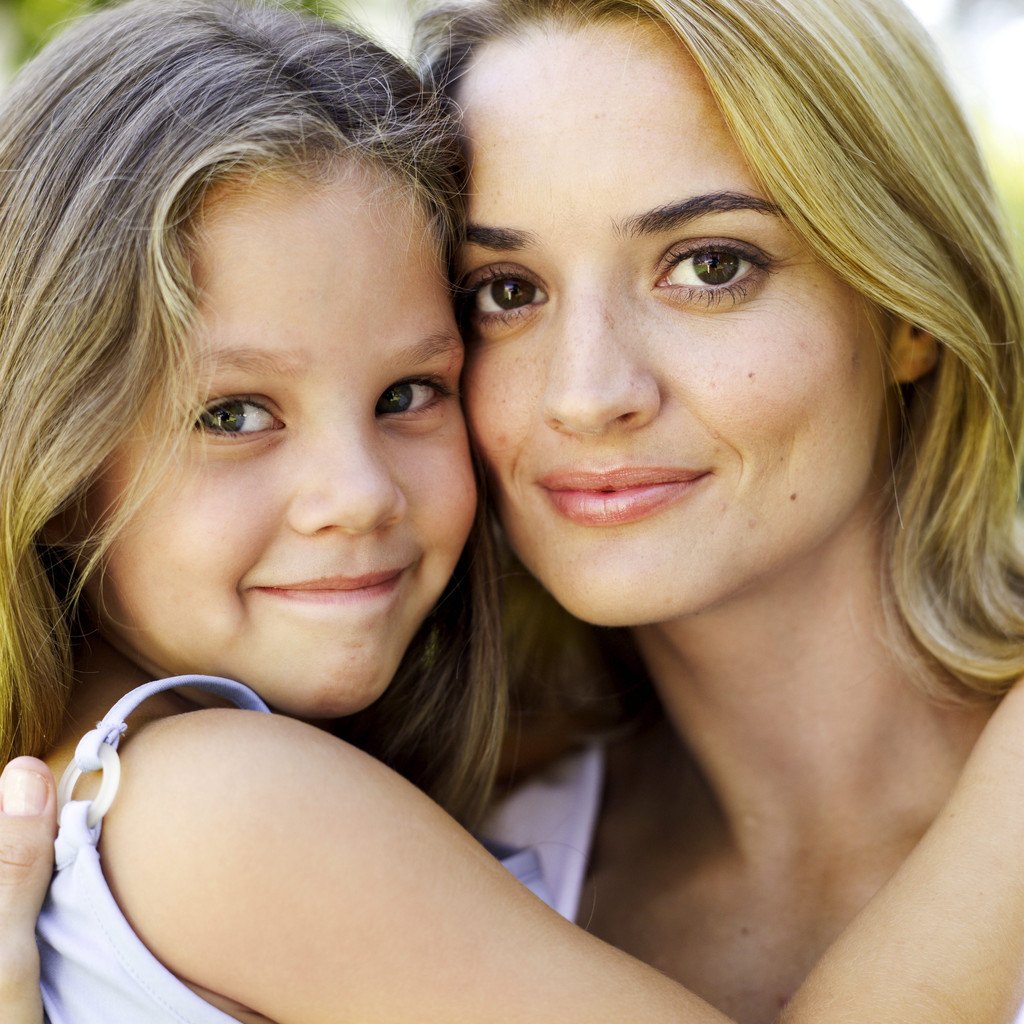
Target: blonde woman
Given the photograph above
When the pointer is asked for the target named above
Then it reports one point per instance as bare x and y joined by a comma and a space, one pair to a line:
746, 366
461, 907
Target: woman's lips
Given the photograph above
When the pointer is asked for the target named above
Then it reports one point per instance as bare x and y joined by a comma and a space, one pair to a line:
620, 496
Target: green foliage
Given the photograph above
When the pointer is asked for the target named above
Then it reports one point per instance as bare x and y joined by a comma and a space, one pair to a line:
35, 21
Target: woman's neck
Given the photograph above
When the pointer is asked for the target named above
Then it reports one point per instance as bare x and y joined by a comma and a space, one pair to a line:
801, 718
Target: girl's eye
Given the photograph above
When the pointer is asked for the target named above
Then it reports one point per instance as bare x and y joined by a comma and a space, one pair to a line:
504, 294
236, 416
408, 396
709, 268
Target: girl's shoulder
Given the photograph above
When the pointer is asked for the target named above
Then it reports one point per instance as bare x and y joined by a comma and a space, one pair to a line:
232, 831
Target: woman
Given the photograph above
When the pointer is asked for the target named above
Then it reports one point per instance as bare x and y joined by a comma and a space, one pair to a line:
805, 764
766, 338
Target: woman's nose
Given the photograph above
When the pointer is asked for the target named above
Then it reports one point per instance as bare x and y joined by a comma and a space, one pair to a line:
598, 377
345, 483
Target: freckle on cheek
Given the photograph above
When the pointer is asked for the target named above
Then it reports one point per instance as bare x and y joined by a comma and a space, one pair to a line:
750, 376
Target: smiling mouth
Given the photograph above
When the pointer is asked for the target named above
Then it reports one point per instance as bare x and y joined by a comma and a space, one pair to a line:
618, 497
338, 589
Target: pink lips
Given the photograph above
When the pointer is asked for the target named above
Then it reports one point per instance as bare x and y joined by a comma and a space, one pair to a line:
338, 589
618, 496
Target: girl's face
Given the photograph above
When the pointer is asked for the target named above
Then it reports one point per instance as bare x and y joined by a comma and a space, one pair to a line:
323, 499
675, 401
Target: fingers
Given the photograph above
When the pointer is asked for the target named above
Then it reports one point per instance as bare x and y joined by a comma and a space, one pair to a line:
28, 816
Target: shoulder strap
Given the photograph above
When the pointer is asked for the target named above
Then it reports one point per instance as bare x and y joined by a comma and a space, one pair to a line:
97, 749
111, 728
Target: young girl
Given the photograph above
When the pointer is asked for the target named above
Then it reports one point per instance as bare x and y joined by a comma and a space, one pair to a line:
232, 444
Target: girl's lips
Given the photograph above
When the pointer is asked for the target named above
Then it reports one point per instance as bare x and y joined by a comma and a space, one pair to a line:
338, 589
620, 496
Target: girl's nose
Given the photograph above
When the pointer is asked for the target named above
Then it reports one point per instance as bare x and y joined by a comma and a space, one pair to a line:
345, 483
598, 377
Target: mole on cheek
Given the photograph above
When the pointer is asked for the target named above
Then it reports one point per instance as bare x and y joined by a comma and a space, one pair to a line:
792, 497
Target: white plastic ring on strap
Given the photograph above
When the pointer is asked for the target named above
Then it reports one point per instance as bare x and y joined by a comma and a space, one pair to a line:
111, 765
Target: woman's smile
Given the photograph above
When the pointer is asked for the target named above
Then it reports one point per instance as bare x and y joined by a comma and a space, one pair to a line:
618, 496
674, 400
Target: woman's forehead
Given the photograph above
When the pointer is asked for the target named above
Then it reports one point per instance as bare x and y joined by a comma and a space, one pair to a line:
610, 116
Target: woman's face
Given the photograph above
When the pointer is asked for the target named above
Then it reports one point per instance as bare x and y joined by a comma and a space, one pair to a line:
317, 511
676, 403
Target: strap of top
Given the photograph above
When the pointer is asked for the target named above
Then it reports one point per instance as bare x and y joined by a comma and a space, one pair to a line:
97, 749
112, 727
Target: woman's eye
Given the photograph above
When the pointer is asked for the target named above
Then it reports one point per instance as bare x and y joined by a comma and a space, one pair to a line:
712, 268
409, 396
236, 416
504, 294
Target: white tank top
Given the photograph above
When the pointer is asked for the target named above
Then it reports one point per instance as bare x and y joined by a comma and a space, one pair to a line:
95, 969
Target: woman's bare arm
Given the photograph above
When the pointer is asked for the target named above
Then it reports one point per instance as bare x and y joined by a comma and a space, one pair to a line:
28, 819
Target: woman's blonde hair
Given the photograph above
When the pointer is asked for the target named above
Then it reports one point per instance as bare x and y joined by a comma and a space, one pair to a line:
109, 142
844, 117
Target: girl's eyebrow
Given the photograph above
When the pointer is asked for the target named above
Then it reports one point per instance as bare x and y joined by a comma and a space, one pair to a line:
434, 346
285, 363
291, 363
674, 215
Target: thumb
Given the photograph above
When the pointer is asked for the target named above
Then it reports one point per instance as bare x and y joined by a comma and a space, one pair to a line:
28, 817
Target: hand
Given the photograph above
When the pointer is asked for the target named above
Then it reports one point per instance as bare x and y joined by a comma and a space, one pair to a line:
28, 819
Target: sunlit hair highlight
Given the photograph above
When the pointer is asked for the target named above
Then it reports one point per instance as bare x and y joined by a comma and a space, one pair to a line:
110, 141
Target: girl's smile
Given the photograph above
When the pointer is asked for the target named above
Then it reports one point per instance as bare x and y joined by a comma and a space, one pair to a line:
319, 508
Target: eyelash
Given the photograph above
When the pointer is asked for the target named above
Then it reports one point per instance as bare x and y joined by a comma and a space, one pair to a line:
440, 388
466, 295
712, 296
234, 436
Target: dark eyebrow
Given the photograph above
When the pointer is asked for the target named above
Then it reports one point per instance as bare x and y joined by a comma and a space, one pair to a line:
674, 215
499, 239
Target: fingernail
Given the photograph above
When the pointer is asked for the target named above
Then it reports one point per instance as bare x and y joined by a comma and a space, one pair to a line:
24, 792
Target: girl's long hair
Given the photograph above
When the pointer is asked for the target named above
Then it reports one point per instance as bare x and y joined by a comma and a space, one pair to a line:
109, 142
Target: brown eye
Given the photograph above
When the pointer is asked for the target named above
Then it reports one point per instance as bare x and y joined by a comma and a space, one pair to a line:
716, 267
503, 294
708, 268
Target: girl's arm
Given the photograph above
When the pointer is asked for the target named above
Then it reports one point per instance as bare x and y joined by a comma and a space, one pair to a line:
28, 821
944, 939
264, 860
426, 926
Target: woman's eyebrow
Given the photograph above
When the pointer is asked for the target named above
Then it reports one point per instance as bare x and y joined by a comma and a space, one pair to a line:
498, 239
674, 215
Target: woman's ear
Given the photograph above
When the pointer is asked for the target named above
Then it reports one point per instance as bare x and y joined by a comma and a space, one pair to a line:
912, 352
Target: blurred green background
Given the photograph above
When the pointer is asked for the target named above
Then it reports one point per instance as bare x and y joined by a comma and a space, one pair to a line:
982, 40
